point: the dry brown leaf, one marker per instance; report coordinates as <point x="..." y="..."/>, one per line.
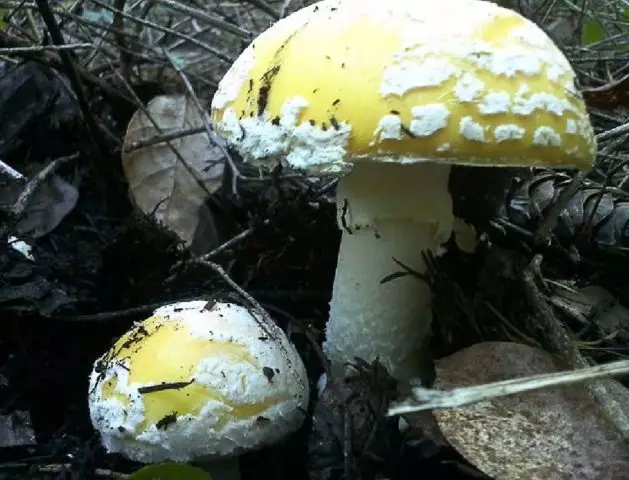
<point x="555" y="433"/>
<point x="160" y="184"/>
<point x="50" y="204"/>
<point x="52" y="201"/>
<point x="609" y="96"/>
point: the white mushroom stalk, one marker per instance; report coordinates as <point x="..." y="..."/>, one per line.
<point x="386" y="212"/>
<point x="197" y="381"/>
<point x="388" y="95"/>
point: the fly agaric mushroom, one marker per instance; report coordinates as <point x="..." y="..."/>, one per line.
<point x="389" y="95"/>
<point x="197" y="380"/>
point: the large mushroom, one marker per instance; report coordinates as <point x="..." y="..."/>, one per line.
<point x="389" y="95"/>
<point x="195" y="381"/>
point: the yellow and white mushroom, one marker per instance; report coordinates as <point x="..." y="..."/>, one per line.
<point x="389" y="94"/>
<point x="197" y="380"/>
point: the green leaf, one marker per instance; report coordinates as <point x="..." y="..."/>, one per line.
<point x="170" y="471"/>
<point x="592" y="32"/>
<point x="3" y="16"/>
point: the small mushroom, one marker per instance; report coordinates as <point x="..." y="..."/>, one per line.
<point x="191" y="383"/>
<point x="389" y="95"/>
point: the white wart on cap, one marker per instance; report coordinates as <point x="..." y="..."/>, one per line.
<point x="197" y="380"/>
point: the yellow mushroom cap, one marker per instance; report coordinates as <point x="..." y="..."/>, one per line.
<point x="458" y="81"/>
<point x="197" y="380"/>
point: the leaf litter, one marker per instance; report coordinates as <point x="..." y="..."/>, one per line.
<point x="107" y="256"/>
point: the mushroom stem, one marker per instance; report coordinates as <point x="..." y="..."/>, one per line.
<point x="386" y="212"/>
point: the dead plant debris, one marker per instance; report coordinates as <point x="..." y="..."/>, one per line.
<point x="83" y="254"/>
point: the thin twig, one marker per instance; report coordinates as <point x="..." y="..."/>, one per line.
<point x="10" y="172"/>
<point x="53" y="59"/>
<point x="19" y="207"/>
<point x="285" y="7"/>
<point x="220" y="55"/>
<point x="267" y="324"/>
<point x="211" y="135"/>
<point x="31" y="187"/>
<point x="428" y="399"/>
<point x="150" y="141"/>
<point x="43" y="48"/>
<point x="265" y="7"/>
<point x="114" y="315"/>
<point x="202" y="15"/>
<point x="121" y="41"/>
<point x="613" y="132"/>
<point x="73" y="75"/>
<point x="228" y="244"/>
<point x="550" y="220"/>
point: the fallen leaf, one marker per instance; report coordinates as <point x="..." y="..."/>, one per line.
<point x="53" y="200"/>
<point x="593" y="32"/>
<point x="554" y="433"/>
<point x="609" y="96"/>
<point x="162" y="185"/>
